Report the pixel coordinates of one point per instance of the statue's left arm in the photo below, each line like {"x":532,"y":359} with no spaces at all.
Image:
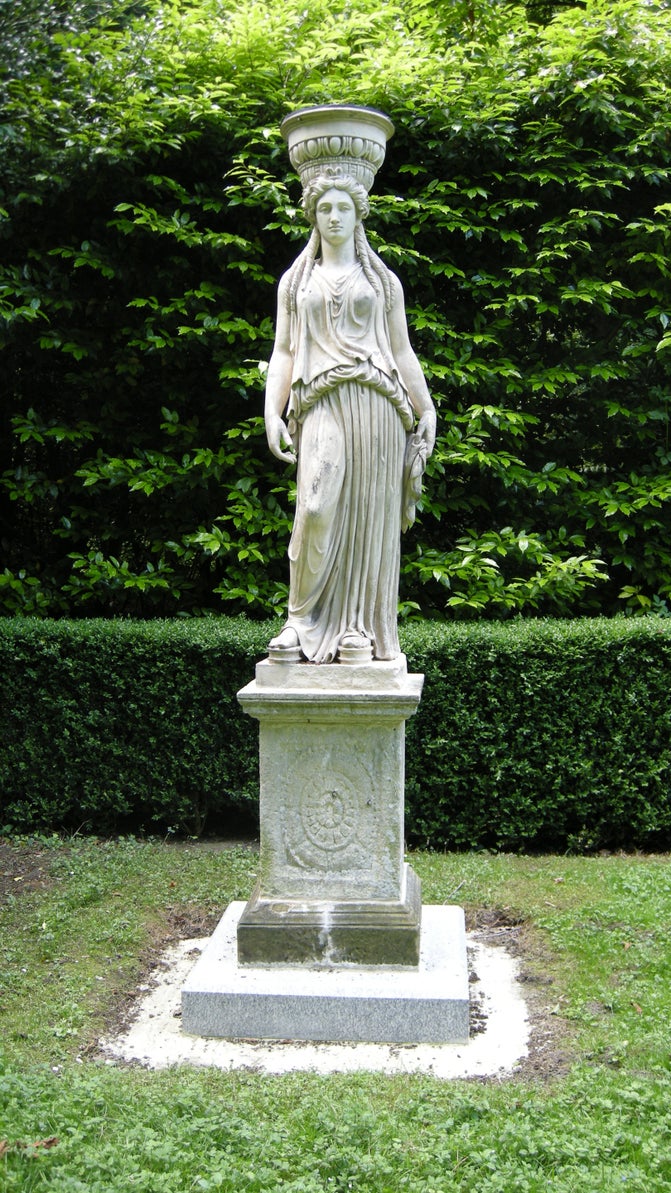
{"x":410,"y":369}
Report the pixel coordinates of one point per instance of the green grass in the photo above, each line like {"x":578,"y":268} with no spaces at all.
{"x":72,"y":950}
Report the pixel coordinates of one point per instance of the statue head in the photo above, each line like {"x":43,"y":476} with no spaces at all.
{"x":335,"y":180}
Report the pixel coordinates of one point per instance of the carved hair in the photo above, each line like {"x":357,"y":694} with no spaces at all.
{"x":374,"y":268}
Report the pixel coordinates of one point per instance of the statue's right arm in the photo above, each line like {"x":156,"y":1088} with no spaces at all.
{"x":278,"y":382}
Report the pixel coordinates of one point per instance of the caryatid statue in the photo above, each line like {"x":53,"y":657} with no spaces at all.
{"x":346,"y":396}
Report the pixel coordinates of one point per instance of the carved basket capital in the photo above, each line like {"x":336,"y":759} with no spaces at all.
{"x":337,"y":138}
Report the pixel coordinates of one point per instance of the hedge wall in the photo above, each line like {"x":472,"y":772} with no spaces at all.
{"x":122,"y":725}
{"x":530,"y":734}
{"x":542,"y":734}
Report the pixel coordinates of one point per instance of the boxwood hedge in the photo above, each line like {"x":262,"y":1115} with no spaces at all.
{"x":530,"y":734}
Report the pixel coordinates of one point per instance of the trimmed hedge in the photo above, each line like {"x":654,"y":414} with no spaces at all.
{"x":542,"y":734}
{"x":123,"y":725}
{"x":530,"y":734}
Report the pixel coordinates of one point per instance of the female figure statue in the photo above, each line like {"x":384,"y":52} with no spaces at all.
{"x":343,"y":390}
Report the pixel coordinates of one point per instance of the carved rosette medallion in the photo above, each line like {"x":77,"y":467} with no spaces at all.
{"x":329,"y":821}
{"x":330,"y":817}
{"x":338,"y":139}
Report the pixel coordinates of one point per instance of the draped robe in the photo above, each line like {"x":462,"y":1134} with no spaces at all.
{"x":349,"y":414}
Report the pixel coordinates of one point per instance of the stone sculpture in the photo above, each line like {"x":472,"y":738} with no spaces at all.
{"x":344,"y":389}
{"x":331,"y":944}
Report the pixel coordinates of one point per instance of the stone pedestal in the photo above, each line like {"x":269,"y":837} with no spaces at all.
{"x":332,"y":944}
{"x":333,"y":886}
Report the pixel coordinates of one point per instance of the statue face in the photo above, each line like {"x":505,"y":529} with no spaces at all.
{"x":335,"y":216}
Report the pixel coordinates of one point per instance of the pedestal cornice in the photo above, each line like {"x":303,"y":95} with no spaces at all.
{"x":379,"y":690}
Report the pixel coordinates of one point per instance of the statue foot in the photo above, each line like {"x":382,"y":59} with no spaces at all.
{"x":355,"y":648}
{"x":285,"y":648}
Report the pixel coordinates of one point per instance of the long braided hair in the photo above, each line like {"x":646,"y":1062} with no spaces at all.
{"x":374,"y":268}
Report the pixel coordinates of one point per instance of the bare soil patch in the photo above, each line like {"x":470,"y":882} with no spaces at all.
{"x":23,"y":868}
{"x":550,"y":1052}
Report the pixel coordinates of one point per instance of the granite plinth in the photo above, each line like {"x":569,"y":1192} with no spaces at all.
{"x":376,"y":1004}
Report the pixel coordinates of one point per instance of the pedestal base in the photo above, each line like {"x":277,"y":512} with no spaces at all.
{"x":333,"y":886}
{"x":358,"y":932}
{"x":427,"y":1004}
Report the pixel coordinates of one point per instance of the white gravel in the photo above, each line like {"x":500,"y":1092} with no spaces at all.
{"x":155,"y":1039}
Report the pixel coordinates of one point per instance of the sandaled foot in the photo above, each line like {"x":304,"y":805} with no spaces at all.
{"x":285,"y":647}
{"x":355,"y":648}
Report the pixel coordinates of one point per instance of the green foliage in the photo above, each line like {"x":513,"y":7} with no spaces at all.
{"x":113,"y":724}
{"x":148,"y":210}
{"x":535,"y":734}
{"x":541,"y":734}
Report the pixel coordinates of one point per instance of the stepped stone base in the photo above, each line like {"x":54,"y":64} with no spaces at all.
{"x":334,"y":943}
{"x":376,"y":1004}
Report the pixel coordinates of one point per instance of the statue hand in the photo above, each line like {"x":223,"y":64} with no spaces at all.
{"x":426,"y":427}
{"x":279,"y":440}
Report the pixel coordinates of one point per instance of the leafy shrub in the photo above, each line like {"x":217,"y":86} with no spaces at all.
{"x":533,"y":734}
{"x":147,"y":209}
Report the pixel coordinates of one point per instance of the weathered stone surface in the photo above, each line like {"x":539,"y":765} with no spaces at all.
{"x":426,"y":1004}
{"x":386,"y":677}
{"x":331,"y":802}
{"x":339,"y":137}
{"x":319,"y":932}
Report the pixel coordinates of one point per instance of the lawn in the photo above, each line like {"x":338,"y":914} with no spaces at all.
{"x":82,"y":920}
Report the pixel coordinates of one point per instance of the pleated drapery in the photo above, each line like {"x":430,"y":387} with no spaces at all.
{"x":345,"y":547}
{"x":349,"y":414}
